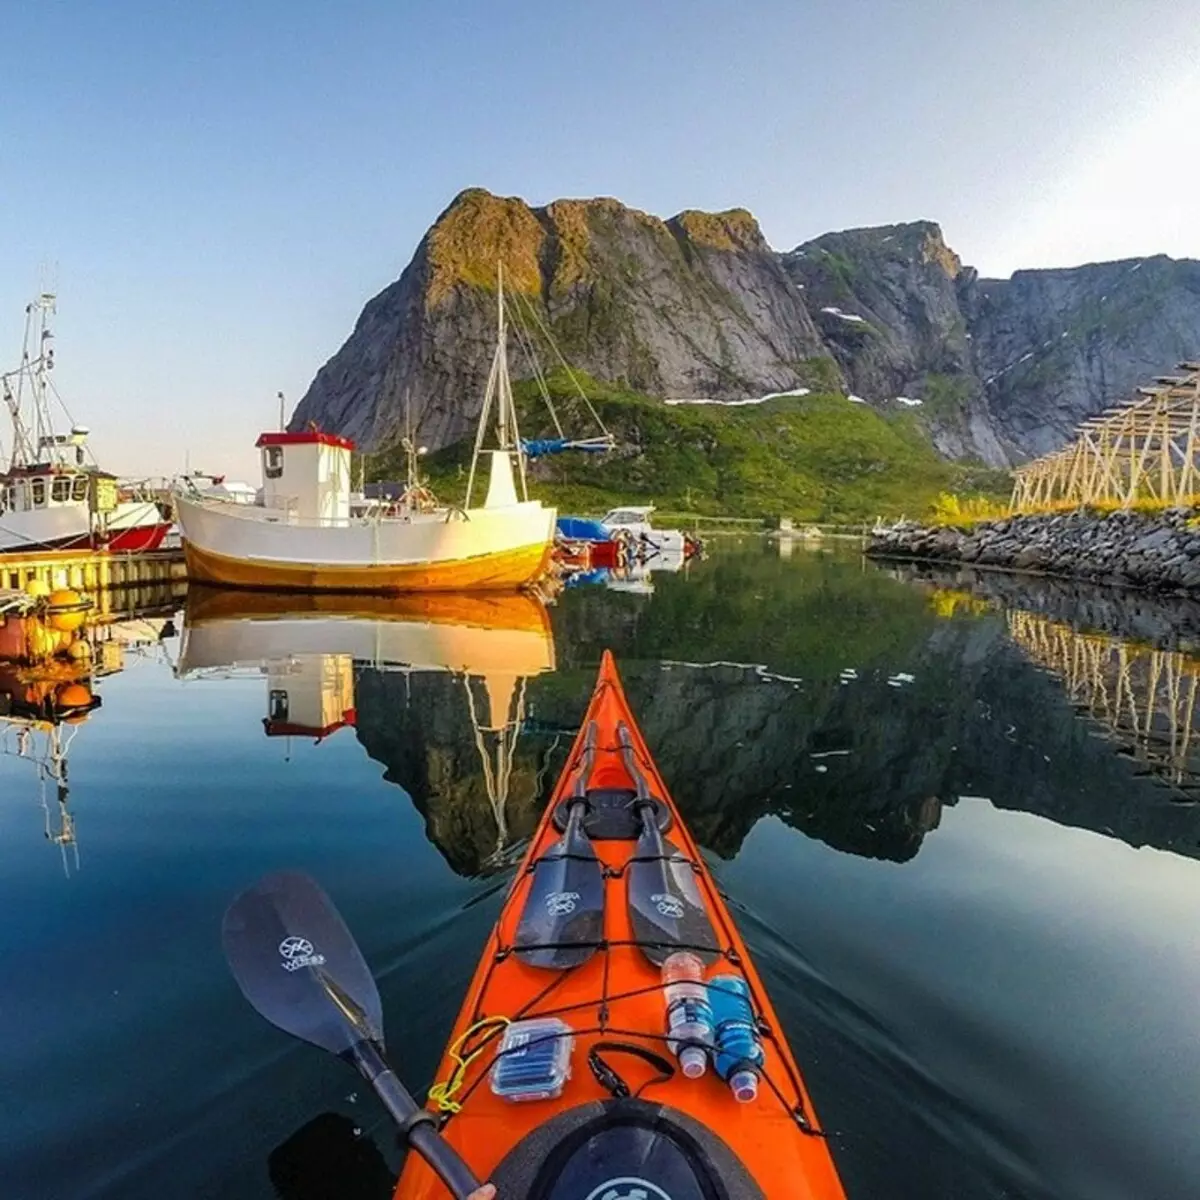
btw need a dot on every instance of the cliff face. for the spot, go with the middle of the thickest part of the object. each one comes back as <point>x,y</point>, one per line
<point>1053,347</point>
<point>699,306</point>
<point>695,306</point>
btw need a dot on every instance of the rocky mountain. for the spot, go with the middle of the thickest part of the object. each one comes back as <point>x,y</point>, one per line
<point>696,306</point>
<point>700,306</point>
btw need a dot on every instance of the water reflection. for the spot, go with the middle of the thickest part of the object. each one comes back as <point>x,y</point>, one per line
<point>1124,668</point>
<point>1145,698</point>
<point>434,686</point>
<point>51,659</point>
<point>928,846</point>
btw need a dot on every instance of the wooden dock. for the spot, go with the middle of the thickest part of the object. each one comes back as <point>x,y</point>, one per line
<point>112,581</point>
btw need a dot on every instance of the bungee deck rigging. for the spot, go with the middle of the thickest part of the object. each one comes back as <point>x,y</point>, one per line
<point>611,886</point>
<point>554,993</point>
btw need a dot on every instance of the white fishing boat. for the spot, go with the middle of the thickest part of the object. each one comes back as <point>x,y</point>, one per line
<point>53,496</point>
<point>306,534</point>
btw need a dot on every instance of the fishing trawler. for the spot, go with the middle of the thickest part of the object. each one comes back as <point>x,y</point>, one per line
<point>306,535</point>
<point>53,496</point>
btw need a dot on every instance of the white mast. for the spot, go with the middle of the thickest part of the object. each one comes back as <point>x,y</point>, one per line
<point>499,389</point>
<point>30,429</point>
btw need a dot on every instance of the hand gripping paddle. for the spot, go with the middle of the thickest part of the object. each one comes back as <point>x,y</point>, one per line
<point>299,966</point>
<point>665,906</point>
<point>562,923</point>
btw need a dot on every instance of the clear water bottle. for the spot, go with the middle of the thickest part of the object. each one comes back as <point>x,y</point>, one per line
<point>738,1057</point>
<point>689,1017</point>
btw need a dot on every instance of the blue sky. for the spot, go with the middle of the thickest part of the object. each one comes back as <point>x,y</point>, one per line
<point>215,189</point>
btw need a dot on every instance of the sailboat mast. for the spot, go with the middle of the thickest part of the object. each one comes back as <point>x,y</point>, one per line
<point>503,401</point>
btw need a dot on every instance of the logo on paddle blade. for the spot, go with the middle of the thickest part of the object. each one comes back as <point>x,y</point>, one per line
<point>297,952</point>
<point>627,1187</point>
<point>668,905</point>
<point>561,904</point>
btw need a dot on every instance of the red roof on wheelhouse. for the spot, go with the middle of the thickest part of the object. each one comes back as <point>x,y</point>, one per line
<point>306,437</point>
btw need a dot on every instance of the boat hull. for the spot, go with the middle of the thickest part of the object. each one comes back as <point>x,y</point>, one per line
<point>494,549</point>
<point>133,528</point>
<point>503,570</point>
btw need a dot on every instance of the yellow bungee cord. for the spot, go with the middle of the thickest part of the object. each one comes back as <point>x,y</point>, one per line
<point>442,1094</point>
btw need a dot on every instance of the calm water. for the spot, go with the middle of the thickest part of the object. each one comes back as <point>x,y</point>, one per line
<point>955,818</point>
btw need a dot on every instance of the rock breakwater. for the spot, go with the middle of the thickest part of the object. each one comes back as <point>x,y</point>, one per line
<point>1158,552</point>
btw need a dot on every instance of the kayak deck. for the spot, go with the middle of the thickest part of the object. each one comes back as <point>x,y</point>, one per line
<point>617,996</point>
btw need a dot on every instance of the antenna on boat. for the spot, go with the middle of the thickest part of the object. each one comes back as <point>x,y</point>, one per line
<point>282,418</point>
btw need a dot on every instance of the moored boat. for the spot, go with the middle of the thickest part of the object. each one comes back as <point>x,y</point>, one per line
<point>613,887</point>
<point>305,534</point>
<point>53,496</point>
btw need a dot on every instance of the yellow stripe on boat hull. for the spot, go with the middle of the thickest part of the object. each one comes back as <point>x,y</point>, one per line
<point>504,570</point>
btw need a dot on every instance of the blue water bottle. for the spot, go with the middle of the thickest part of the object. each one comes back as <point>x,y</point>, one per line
<point>739,1053</point>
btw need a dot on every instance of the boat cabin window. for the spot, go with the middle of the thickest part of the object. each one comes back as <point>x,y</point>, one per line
<point>277,703</point>
<point>79,489</point>
<point>39,493</point>
<point>60,489</point>
<point>79,456</point>
<point>272,461</point>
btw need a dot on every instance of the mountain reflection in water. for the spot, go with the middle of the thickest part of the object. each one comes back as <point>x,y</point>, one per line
<point>433,685</point>
<point>460,701</point>
<point>953,812</point>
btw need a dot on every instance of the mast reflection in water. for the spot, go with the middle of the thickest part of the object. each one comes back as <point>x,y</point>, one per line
<point>420,678</point>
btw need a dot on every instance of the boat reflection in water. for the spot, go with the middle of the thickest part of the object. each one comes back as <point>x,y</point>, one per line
<point>635,574</point>
<point>382,665</point>
<point>50,661</point>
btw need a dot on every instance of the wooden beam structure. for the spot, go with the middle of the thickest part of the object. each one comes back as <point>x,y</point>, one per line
<point>1143,452</point>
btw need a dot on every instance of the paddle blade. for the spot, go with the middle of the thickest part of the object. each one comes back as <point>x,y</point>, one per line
<point>666,909</point>
<point>299,966</point>
<point>562,922</point>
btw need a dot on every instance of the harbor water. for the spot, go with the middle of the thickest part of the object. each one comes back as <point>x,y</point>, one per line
<point>956,819</point>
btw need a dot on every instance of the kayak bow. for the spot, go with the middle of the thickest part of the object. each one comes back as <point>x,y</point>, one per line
<point>629,1126</point>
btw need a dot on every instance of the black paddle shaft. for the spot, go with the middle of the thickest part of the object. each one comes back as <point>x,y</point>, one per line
<point>299,966</point>
<point>415,1124</point>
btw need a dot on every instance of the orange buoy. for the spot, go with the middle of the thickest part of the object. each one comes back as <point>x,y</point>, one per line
<point>73,695</point>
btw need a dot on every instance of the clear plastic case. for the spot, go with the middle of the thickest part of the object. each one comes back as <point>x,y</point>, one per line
<point>534,1060</point>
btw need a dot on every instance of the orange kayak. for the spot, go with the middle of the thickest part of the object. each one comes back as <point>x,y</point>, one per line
<point>627,1123</point>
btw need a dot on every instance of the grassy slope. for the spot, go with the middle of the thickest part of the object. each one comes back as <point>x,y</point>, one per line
<point>816,457</point>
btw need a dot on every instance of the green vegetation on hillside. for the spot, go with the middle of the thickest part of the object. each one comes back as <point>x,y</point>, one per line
<point>818,457</point>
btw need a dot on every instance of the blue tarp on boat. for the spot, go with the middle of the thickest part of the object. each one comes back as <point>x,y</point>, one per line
<point>583,529</point>
<point>540,447</point>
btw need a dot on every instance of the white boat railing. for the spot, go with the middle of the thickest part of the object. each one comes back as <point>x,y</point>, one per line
<point>276,515</point>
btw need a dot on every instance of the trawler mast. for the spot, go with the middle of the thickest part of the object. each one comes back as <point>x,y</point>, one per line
<point>37,360</point>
